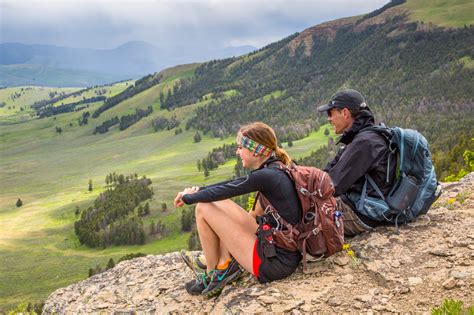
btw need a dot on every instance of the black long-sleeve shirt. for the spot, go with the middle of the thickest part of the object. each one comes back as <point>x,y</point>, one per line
<point>269,180</point>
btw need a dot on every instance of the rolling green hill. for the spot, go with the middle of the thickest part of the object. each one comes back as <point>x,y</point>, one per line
<point>413,75</point>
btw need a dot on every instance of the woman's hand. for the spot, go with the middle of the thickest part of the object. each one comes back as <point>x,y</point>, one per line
<point>178,202</point>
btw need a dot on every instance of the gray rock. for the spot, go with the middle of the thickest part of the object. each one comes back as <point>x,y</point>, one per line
<point>431,264</point>
<point>395,264</point>
<point>342,260</point>
<point>366,298</point>
<point>358,305</point>
<point>414,281</point>
<point>267,299</point>
<point>449,284</point>
<point>347,278</point>
<point>457,274</point>
<point>334,301</point>
<point>441,252</point>
<point>378,307</point>
<point>287,307</point>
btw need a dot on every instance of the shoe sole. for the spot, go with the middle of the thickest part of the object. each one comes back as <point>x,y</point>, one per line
<point>188,259</point>
<point>185,257</point>
<point>218,289</point>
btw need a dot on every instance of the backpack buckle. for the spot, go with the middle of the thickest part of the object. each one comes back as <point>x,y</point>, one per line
<point>304,191</point>
<point>276,216</point>
<point>316,230</point>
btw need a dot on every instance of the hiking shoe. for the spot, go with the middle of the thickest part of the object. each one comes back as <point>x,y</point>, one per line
<point>219,278</point>
<point>195,287</point>
<point>195,262</point>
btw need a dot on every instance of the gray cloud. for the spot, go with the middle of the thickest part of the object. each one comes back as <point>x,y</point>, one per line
<point>188,24</point>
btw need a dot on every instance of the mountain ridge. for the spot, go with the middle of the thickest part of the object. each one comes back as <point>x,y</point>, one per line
<point>129,60</point>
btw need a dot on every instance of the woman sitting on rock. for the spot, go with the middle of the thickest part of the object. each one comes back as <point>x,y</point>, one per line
<point>228,233</point>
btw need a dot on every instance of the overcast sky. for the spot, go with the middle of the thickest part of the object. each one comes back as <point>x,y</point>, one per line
<point>106,24</point>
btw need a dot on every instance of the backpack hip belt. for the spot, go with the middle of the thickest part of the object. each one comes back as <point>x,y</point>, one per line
<point>285,235</point>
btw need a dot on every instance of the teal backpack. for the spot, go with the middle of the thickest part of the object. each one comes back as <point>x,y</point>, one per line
<point>415,188</point>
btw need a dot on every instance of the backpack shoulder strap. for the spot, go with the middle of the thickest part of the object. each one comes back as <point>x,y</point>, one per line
<point>386,133</point>
<point>380,129</point>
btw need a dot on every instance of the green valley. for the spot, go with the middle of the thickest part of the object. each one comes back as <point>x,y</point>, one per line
<point>50,173</point>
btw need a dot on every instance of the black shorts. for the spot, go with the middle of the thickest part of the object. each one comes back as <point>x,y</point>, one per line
<point>272,268</point>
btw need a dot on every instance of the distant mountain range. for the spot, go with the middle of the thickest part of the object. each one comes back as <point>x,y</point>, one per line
<point>48,65</point>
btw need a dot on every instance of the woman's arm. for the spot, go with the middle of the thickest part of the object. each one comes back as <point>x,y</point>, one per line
<point>257,180</point>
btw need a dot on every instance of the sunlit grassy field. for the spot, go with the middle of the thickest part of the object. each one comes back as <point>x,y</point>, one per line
<point>454,13</point>
<point>50,172</point>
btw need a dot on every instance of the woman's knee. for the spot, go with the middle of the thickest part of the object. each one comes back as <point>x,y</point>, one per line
<point>201,209</point>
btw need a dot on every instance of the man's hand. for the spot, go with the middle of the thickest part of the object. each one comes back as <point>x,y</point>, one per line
<point>178,201</point>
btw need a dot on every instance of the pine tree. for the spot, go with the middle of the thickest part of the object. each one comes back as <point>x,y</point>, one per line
<point>19,203</point>
<point>162,229</point>
<point>164,207</point>
<point>326,132</point>
<point>199,165</point>
<point>193,241</point>
<point>140,211</point>
<point>152,227</point>
<point>146,209</point>
<point>197,137</point>
<point>162,97</point>
<point>183,220</point>
<point>110,264</point>
<point>90,185</point>
<point>77,211</point>
<point>187,218</point>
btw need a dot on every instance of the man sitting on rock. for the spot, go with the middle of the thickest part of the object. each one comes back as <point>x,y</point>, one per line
<point>362,153</point>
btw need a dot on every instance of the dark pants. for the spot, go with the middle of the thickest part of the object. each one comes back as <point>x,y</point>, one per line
<point>352,224</point>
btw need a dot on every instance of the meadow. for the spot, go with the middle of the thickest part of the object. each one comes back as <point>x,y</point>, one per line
<point>456,13</point>
<point>50,173</point>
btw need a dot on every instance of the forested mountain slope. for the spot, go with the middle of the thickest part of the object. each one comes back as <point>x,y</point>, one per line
<point>413,74</point>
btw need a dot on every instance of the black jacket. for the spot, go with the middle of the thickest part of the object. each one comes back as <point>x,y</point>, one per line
<point>363,152</point>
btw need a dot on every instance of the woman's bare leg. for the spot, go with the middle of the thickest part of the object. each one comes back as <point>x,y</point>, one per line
<point>225,226</point>
<point>224,254</point>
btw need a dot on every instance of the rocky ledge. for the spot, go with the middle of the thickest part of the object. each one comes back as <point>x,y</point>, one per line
<point>430,260</point>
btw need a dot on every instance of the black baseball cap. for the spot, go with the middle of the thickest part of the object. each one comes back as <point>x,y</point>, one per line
<point>349,98</point>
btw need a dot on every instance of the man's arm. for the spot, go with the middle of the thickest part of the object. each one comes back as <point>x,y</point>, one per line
<point>357,159</point>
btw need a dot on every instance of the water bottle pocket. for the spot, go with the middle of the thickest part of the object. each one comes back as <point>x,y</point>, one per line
<point>404,194</point>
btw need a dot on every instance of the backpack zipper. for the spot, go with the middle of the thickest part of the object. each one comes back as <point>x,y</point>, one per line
<point>402,135</point>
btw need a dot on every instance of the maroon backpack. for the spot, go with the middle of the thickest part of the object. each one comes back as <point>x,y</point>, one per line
<point>321,230</point>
